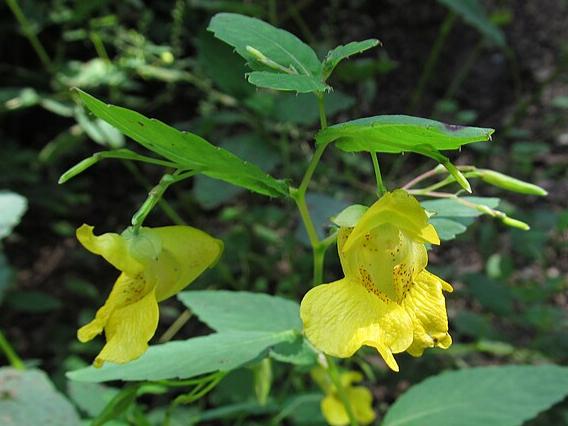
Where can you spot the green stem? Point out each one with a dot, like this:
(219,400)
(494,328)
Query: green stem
(334,376)
(381,189)
(10,353)
(175,327)
(321,106)
(28,31)
(155,195)
(433,58)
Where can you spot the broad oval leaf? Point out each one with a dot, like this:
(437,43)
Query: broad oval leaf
(29,398)
(243,311)
(183,359)
(488,396)
(277,45)
(185,149)
(400,133)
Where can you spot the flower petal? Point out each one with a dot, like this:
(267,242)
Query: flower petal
(113,247)
(426,305)
(126,291)
(128,331)
(386,258)
(400,209)
(186,253)
(361,401)
(333,411)
(342,316)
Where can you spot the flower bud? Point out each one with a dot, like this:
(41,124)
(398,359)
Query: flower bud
(510,183)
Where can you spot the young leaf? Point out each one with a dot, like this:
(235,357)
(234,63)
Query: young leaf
(473,13)
(489,396)
(275,44)
(186,149)
(193,357)
(335,56)
(287,82)
(243,311)
(400,133)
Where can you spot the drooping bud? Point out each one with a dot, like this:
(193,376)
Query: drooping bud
(510,183)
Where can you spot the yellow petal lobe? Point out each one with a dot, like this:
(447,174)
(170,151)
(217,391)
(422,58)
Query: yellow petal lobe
(342,316)
(112,247)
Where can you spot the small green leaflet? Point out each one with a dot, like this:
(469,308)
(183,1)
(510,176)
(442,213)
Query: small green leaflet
(400,133)
(193,357)
(187,150)
(335,56)
(488,396)
(280,60)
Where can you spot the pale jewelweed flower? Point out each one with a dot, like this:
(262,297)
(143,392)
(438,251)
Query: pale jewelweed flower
(360,398)
(156,263)
(387,300)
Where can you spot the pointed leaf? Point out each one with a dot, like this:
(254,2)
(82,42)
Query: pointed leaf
(183,359)
(488,396)
(186,149)
(400,133)
(342,52)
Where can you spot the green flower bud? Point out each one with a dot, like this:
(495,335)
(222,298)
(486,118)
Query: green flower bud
(515,223)
(510,183)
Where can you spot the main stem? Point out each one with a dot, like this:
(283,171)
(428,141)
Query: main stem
(319,248)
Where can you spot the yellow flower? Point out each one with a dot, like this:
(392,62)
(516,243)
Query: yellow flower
(360,398)
(156,263)
(387,300)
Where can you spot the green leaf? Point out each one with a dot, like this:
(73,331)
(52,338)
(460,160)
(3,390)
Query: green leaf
(287,82)
(29,398)
(473,13)
(243,311)
(91,398)
(186,149)
(447,229)
(298,352)
(275,44)
(183,359)
(224,66)
(335,56)
(349,216)
(400,133)
(12,208)
(488,396)
(451,207)
(452,218)
(211,193)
